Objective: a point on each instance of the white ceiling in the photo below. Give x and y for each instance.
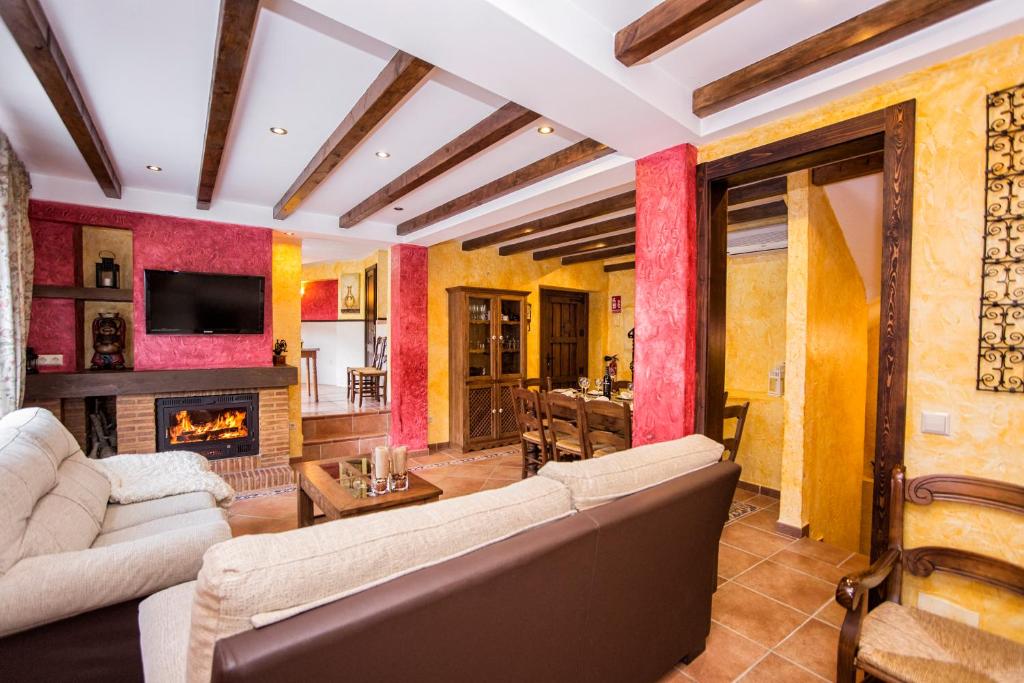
(145, 68)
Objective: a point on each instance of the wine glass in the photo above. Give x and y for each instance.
(599, 384)
(584, 383)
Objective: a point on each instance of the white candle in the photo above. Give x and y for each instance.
(399, 456)
(381, 462)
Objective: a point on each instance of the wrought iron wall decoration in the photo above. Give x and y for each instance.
(1001, 333)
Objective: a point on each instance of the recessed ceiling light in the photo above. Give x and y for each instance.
(277, 130)
(151, 167)
(546, 130)
(399, 208)
(382, 154)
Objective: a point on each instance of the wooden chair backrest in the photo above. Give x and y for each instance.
(564, 414)
(529, 413)
(541, 384)
(606, 423)
(922, 561)
(621, 384)
(739, 413)
(380, 352)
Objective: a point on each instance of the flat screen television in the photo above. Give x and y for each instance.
(203, 303)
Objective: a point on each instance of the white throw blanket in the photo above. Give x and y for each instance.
(138, 477)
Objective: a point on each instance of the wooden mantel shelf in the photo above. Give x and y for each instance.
(49, 385)
(81, 293)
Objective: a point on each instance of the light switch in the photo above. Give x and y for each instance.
(934, 423)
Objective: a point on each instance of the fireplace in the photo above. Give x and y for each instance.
(216, 426)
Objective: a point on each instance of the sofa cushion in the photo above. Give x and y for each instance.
(912, 645)
(254, 580)
(161, 525)
(597, 481)
(27, 473)
(164, 622)
(123, 516)
(44, 427)
(69, 516)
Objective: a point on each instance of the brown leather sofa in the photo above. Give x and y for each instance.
(616, 593)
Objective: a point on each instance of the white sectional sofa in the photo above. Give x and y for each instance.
(73, 566)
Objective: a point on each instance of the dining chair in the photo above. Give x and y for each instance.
(541, 384)
(621, 384)
(565, 415)
(533, 436)
(739, 413)
(607, 427)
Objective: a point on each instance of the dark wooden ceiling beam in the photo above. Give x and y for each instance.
(665, 24)
(765, 189)
(582, 232)
(599, 255)
(234, 35)
(387, 92)
(510, 119)
(847, 169)
(563, 160)
(601, 207)
(614, 267)
(759, 212)
(27, 22)
(865, 32)
(619, 240)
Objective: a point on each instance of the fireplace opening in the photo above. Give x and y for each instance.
(215, 426)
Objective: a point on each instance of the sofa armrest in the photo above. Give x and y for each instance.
(39, 590)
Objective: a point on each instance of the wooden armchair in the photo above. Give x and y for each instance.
(533, 434)
(894, 642)
(739, 413)
(607, 427)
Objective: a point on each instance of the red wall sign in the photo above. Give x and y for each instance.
(616, 304)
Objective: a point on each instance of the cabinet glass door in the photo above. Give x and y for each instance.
(478, 352)
(510, 337)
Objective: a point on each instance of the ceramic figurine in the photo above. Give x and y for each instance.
(108, 341)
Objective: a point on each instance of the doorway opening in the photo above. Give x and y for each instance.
(886, 138)
(564, 339)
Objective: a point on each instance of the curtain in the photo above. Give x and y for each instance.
(16, 264)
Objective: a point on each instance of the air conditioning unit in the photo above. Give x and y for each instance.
(756, 240)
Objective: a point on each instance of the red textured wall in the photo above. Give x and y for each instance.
(168, 243)
(54, 246)
(664, 378)
(408, 346)
(320, 300)
(52, 327)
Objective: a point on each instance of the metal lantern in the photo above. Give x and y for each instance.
(108, 273)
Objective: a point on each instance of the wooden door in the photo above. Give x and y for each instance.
(481, 413)
(507, 425)
(563, 336)
(369, 314)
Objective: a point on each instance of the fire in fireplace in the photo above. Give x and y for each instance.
(215, 426)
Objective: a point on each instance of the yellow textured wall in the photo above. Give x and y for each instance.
(870, 413)
(286, 275)
(949, 180)
(332, 270)
(617, 341)
(449, 266)
(836, 370)
(755, 334)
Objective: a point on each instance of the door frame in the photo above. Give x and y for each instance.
(890, 130)
(369, 317)
(545, 334)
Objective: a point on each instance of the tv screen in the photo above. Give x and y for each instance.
(203, 303)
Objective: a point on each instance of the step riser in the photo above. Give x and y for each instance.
(346, 448)
(342, 426)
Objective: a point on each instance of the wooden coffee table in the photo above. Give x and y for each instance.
(339, 488)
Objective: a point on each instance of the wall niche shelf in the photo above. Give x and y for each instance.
(81, 293)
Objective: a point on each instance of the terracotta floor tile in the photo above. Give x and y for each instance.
(857, 563)
(733, 561)
(813, 646)
(674, 676)
(508, 474)
(763, 501)
(728, 654)
(244, 524)
(764, 520)
(788, 586)
(496, 483)
(279, 506)
(742, 495)
(809, 565)
(754, 540)
(820, 551)
(775, 669)
(752, 615)
(832, 613)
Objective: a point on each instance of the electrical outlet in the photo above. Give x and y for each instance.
(51, 359)
(934, 423)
